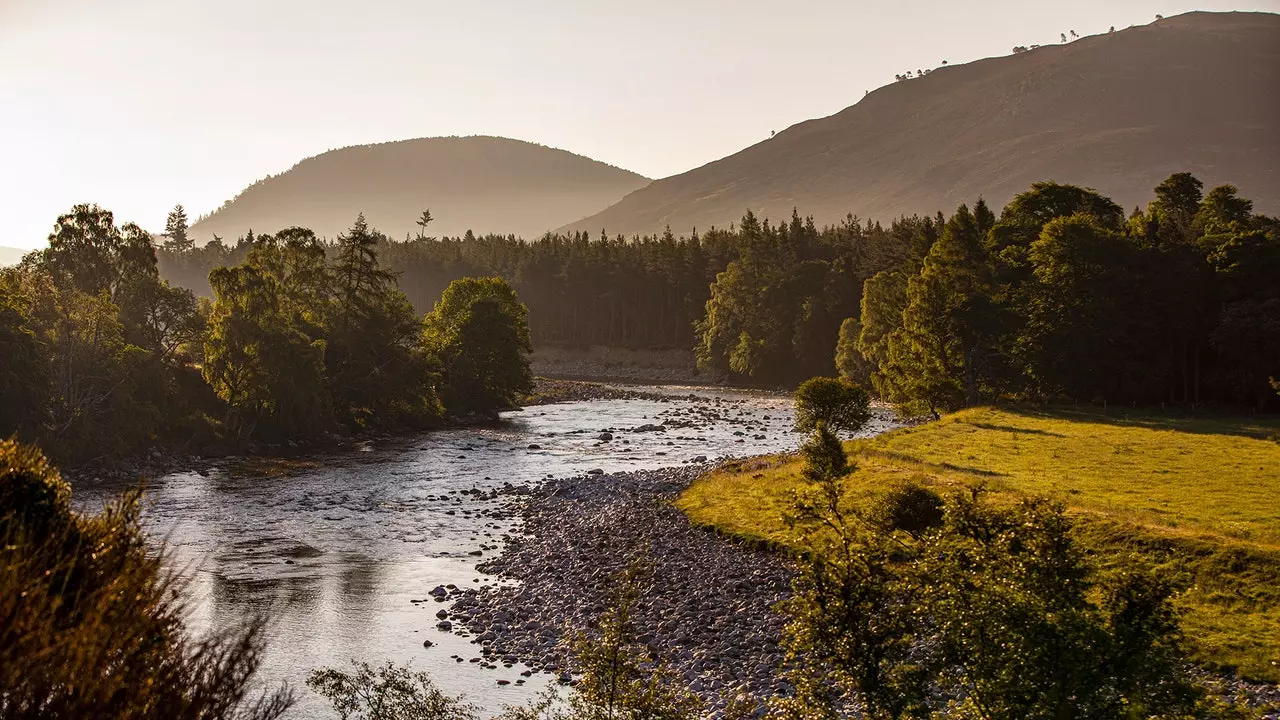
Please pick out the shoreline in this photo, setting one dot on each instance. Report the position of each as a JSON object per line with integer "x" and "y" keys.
{"x": 160, "y": 460}
{"x": 707, "y": 610}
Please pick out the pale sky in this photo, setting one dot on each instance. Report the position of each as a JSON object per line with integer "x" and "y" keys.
{"x": 140, "y": 104}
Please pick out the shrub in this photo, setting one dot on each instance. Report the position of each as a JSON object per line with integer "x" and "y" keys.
{"x": 910, "y": 507}
{"x": 91, "y": 625}
{"x": 839, "y": 404}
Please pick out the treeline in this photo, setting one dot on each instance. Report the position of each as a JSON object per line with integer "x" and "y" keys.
{"x": 1062, "y": 297}
{"x": 642, "y": 292}
{"x": 103, "y": 357}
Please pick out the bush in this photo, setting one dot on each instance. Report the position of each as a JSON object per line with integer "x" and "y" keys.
{"x": 910, "y": 507}
{"x": 93, "y": 624}
{"x": 839, "y": 404}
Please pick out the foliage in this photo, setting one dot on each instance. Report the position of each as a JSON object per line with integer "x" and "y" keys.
{"x": 619, "y": 680}
{"x": 388, "y": 693}
{"x": 479, "y": 331}
{"x": 94, "y": 625}
{"x": 1202, "y": 515}
{"x": 910, "y": 507}
{"x": 850, "y": 362}
{"x": 1014, "y": 632}
{"x": 378, "y": 373}
{"x": 834, "y": 402}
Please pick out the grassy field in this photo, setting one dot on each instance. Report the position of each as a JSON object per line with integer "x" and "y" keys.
{"x": 1196, "y": 497}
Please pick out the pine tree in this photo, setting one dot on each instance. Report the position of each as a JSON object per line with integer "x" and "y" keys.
{"x": 175, "y": 228}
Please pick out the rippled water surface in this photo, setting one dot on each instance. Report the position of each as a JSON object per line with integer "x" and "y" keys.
{"x": 339, "y": 546}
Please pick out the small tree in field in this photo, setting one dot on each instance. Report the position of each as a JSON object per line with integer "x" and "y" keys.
{"x": 839, "y": 404}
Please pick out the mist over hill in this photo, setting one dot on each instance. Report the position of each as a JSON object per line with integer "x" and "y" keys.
{"x": 1118, "y": 112}
{"x": 487, "y": 184}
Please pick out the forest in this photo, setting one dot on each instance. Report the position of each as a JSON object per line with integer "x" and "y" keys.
{"x": 1063, "y": 296}
{"x": 300, "y": 339}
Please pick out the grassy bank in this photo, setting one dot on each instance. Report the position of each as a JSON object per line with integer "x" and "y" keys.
{"x": 1195, "y": 497}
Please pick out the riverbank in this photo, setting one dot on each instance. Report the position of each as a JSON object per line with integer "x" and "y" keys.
{"x": 708, "y": 607}
{"x": 1193, "y": 497}
{"x": 157, "y": 461}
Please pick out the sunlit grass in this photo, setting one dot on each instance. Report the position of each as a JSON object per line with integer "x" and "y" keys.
{"x": 1198, "y": 498}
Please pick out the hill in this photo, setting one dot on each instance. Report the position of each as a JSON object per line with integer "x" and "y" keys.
{"x": 1118, "y": 112}
{"x": 11, "y": 256}
{"x": 1191, "y": 495}
{"x": 487, "y": 184}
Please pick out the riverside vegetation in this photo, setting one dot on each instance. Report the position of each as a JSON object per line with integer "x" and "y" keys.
{"x": 1063, "y": 295}
{"x": 1192, "y": 498}
{"x": 301, "y": 339}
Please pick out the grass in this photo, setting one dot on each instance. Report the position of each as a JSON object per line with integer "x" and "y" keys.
{"x": 1196, "y": 497}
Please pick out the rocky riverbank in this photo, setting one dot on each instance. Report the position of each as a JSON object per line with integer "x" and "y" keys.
{"x": 708, "y": 606}
{"x": 547, "y": 391}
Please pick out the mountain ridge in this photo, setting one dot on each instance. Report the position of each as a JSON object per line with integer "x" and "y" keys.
{"x": 1118, "y": 111}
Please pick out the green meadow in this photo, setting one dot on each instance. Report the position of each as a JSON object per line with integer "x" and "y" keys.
{"x": 1197, "y": 498}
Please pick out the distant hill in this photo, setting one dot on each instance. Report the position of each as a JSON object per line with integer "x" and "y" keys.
{"x": 11, "y": 256}
{"x": 487, "y": 184}
{"x": 1118, "y": 112}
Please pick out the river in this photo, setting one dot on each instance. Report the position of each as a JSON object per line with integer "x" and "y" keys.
{"x": 339, "y": 546}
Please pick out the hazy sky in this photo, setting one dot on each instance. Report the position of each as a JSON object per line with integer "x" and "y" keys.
{"x": 141, "y": 104}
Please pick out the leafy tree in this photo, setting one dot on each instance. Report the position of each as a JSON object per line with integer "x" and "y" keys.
{"x": 259, "y": 358}
{"x": 479, "y": 331}
{"x": 1022, "y": 626}
{"x": 1073, "y": 340}
{"x": 884, "y": 297}
{"x": 1175, "y": 208}
{"x": 1019, "y": 620}
{"x": 835, "y": 403}
{"x": 24, "y": 375}
{"x": 95, "y": 624}
{"x": 941, "y": 357}
{"x": 850, "y": 362}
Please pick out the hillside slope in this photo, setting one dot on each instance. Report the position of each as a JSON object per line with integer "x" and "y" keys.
{"x": 1117, "y": 112}
{"x": 487, "y": 184}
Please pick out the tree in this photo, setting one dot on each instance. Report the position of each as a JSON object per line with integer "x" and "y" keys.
{"x": 943, "y": 354}
{"x": 1022, "y": 626}
{"x": 175, "y": 230}
{"x": 376, "y": 369}
{"x": 95, "y": 623}
{"x": 1175, "y": 207}
{"x": 1074, "y": 339}
{"x": 835, "y": 403}
{"x": 24, "y": 375}
{"x": 258, "y": 356}
{"x": 480, "y": 332}
{"x": 849, "y": 634}
{"x": 850, "y": 362}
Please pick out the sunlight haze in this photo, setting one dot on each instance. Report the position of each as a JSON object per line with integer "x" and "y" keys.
{"x": 140, "y": 104}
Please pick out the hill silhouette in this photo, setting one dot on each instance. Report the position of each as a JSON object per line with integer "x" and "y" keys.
{"x": 1118, "y": 112}
{"x": 488, "y": 184}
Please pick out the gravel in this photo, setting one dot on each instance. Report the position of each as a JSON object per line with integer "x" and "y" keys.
{"x": 708, "y": 607}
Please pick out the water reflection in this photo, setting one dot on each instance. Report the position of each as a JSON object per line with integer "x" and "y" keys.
{"x": 338, "y": 548}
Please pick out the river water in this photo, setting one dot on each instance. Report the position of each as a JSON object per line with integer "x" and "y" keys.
{"x": 338, "y": 546}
